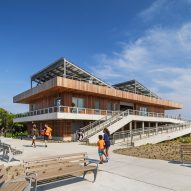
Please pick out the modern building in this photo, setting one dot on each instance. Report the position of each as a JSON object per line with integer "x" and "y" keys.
{"x": 68, "y": 98}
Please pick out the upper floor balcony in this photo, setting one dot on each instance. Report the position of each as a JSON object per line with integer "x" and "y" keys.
{"x": 76, "y": 113}
{"x": 63, "y": 112}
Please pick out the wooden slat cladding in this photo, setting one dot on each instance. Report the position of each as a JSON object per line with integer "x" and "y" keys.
{"x": 150, "y": 108}
{"x": 36, "y": 90}
{"x": 66, "y": 100}
{"x": 60, "y": 84}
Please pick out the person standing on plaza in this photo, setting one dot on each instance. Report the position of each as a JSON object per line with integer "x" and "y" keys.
{"x": 47, "y": 133}
{"x": 81, "y": 134}
{"x": 107, "y": 142}
{"x": 34, "y": 134}
{"x": 101, "y": 145}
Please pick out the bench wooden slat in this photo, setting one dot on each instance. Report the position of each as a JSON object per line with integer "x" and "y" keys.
{"x": 54, "y": 157}
{"x": 51, "y": 162}
{"x": 64, "y": 172}
{"x": 15, "y": 186}
{"x": 185, "y": 150}
{"x": 56, "y": 167}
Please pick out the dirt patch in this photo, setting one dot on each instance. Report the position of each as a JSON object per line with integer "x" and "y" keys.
{"x": 13, "y": 172}
{"x": 169, "y": 150}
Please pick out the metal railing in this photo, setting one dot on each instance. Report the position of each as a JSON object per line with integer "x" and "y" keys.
{"x": 66, "y": 109}
{"x": 137, "y": 134}
{"x": 105, "y": 122}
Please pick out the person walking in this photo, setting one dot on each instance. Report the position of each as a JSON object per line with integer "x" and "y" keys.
{"x": 107, "y": 142}
{"x": 34, "y": 135}
{"x": 47, "y": 134}
{"x": 78, "y": 135}
{"x": 81, "y": 134}
{"x": 100, "y": 145}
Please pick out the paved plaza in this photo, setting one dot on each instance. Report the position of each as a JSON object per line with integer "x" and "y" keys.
{"x": 120, "y": 173}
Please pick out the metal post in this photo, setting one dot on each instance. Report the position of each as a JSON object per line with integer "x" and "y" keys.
{"x": 131, "y": 133}
{"x": 64, "y": 68}
{"x": 135, "y": 125}
{"x": 156, "y": 125}
{"x": 143, "y": 127}
{"x": 149, "y": 125}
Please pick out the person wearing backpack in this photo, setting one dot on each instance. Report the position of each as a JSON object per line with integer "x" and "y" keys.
{"x": 47, "y": 133}
{"x": 34, "y": 135}
{"x": 107, "y": 142}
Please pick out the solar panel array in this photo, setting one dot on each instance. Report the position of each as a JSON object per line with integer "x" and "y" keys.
{"x": 67, "y": 69}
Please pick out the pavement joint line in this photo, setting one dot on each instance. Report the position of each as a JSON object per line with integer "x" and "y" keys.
{"x": 137, "y": 180}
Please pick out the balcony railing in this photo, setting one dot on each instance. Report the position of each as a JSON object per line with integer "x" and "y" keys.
{"x": 138, "y": 134}
{"x": 66, "y": 109}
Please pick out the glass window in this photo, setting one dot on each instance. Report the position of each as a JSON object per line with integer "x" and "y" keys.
{"x": 143, "y": 110}
{"x": 97, "y": 104}
{"x": 77, "y": 102}
{"x": 74, "y": 102}
{"x": 109, "y": 106}
{"x": 57, "y": 102}
{"x": 32, "y": 107}
{"x": 80, "y": 103}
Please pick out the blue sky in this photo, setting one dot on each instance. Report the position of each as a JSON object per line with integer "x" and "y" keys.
{"x": 117, "y": 40}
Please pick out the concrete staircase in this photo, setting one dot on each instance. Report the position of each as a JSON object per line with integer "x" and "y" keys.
{"x": 119, "y": 120}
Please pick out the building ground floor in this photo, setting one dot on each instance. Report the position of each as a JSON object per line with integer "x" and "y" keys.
{"x": 66, "y": 129}
{"x": 61, "y": 129}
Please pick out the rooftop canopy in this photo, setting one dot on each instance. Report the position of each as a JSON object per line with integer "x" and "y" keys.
{"x": 135, "y": 87}
{"x": 65, "y": 68}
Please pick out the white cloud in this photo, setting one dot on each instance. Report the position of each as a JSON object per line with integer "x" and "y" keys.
{"x": 166, "y": 12}
{"x": 160, "y": 59}
{"x": 153, "y": 10}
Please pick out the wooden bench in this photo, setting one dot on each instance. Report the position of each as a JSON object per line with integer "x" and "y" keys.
{"x": 185, "y": 150}
{"x": 22, "y": 184}
{"x": 56, "y": 168}
{"x": 9, "y": 152}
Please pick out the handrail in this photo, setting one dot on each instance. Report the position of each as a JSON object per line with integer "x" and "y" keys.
{"x": 96, "y": 127}
{"x": 66, "y": 109}
{"x": 148, "y": 131}
{"x": 98, "y": 122}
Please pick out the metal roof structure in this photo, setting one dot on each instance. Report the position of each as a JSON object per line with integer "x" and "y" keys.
{"x": 67, "y": 69}
{"x": 134, "y": 86}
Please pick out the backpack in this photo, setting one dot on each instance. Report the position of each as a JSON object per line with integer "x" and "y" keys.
{"x": 42, "y": 132}
{"x": 48, "y": 131}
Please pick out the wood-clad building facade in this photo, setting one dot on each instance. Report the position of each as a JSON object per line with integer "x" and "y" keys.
{"x": 65, "y": 85}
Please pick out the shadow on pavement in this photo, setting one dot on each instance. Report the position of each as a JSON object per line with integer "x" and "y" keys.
{"x": 175, "y": 162}
{"x": 32, "y": 146}
{"x": 6, "y": 159}
{"x": 185, "y": 164}
{"x": 60, "y": 183}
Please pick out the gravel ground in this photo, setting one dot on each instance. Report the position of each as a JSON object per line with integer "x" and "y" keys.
{"x": 169, "y": 150}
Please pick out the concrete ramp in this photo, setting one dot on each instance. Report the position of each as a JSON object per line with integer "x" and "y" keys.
{"x": 163, "y": 137}
{"x": 129, "y": 118}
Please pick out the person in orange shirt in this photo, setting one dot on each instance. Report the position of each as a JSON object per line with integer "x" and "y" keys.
{"x": 101, "y": 146}
{"x": 47, "y": 133}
